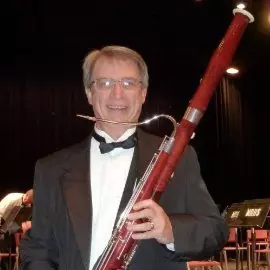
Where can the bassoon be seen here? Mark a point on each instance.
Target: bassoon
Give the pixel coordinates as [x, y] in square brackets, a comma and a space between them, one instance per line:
[121, 246]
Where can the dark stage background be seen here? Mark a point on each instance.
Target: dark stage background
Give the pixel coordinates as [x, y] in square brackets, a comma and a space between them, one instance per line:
[43, 43]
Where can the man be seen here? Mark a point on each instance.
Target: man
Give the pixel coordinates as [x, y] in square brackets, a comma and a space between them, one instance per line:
[12, 200]
[16, 197]
[81, 191]
[9, 207]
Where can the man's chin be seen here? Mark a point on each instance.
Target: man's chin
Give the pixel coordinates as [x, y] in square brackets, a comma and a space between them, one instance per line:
[117, 117]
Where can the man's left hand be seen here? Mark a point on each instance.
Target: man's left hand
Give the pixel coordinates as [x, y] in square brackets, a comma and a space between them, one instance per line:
[26, 226]
[156, 224]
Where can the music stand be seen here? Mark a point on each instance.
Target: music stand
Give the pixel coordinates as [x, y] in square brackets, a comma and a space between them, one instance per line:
[231, 216]
[250, 214]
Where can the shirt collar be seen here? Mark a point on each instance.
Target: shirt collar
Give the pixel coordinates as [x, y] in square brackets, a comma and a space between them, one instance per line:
[109, 139]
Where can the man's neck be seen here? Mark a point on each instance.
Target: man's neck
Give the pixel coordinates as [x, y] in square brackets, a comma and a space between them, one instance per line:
[115, 131]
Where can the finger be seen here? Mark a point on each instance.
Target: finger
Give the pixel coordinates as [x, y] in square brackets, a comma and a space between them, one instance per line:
[145, 213]
[144, 235]
[142, 227]
[143, 204]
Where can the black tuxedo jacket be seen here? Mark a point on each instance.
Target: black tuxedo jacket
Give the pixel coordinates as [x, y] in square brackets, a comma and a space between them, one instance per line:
[61, 227]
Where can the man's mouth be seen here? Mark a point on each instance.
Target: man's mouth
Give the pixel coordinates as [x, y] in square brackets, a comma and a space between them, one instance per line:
[117, 107]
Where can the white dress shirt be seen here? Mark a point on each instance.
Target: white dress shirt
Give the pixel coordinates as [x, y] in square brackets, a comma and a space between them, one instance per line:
[6, 206]
[107, 186]
[9, 200]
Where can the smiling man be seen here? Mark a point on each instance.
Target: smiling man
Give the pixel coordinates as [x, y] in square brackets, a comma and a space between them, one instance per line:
[81, 191]
[116, 89]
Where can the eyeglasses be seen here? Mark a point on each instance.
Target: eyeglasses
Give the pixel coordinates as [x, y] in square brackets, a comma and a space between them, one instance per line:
[106, 84]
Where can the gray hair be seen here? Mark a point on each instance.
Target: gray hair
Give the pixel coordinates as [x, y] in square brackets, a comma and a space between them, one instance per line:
[113, 52]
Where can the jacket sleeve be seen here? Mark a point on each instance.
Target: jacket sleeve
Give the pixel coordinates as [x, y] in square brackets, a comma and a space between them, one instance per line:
[199, 230]
[38, 248]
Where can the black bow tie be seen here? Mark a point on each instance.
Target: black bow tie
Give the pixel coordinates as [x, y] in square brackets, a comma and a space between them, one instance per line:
[107, 147]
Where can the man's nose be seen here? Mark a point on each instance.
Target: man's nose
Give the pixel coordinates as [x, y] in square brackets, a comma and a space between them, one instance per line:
[118, 90]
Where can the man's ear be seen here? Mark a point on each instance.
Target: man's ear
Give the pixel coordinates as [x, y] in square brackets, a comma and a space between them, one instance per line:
[144, 93]
[88, 95]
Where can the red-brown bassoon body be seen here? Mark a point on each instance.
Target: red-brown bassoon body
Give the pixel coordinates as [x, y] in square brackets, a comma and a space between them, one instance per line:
[121, 247]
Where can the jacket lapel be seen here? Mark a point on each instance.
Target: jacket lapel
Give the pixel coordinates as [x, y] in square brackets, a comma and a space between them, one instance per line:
[147, 146]
[129, 186]
[77, 194]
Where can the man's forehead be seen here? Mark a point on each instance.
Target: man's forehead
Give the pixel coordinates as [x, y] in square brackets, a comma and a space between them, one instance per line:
[114, 62]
